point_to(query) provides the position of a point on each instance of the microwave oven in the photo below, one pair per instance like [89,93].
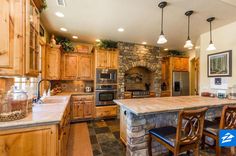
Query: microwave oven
[106,76]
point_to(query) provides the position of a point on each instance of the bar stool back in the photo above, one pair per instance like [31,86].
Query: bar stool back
[185,137]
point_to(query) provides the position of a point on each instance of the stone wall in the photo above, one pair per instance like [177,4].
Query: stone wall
[138,127]
[136,55]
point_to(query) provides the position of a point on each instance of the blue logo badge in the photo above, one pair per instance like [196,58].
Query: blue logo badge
[227,138]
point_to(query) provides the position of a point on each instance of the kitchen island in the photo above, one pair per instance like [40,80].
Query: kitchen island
[137,116]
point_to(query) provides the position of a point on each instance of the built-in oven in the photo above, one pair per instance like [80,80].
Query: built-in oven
[106,76]
[105,94]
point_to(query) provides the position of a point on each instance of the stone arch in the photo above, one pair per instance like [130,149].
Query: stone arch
[149,66]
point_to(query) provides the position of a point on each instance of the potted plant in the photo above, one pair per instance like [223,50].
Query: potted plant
[107,44]
[66,44]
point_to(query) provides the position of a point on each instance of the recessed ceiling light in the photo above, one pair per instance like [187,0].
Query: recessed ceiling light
[166,49]
[63,29]
[97,40]
[121,29]
[59,14]
[75,37]
[144,42]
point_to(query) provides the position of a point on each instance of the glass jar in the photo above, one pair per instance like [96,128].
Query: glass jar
[232,92]
[14,105]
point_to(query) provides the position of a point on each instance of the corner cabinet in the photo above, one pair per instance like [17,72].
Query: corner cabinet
[180,63]
[11,37]
[106,59]
[32,39]
[53,62]
[76,66]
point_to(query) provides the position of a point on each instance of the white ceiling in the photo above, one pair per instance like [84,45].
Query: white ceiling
[92,19]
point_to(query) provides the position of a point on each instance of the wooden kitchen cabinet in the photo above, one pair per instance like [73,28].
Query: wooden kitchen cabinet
[86,68]
[123,125]
[53,62]
[36,141]
[83,106]
[32,39]
[11,37]
[180,64]
[106,111]
[106,59]
[69,66]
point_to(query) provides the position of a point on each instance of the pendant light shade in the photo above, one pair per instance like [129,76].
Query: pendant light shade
[188,43]
[162,38]
[211,46]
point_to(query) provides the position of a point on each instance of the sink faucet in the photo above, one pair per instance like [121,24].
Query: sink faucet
[38,92]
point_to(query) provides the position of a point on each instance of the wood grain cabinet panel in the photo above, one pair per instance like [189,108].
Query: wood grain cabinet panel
[11,40]
[180,64]
[85,67]
[106,111]
[106,59]
[36,141]
[53,62]
[83,106]
[112,57]
[70,67]
[101,59]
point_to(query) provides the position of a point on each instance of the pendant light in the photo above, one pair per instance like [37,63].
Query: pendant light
[162,38]
[211,45]
[188,43]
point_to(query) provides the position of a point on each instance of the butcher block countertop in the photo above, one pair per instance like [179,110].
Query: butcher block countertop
[146,106]
[49,113]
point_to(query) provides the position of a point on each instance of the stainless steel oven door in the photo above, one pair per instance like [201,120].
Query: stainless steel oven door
[105,97]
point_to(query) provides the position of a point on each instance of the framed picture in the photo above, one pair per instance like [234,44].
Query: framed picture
[220,64]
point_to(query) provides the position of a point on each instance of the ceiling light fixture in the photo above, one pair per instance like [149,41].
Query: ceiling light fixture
[162,38]
[59,14]
[166,49]
[121,29]
[97,40]
[188,43]
[63,29]
[75,37]
[144,43]
[211,45]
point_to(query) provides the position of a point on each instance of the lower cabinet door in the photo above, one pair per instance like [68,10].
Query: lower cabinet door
[88,109]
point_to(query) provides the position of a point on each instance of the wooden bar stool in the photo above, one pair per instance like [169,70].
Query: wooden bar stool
[211,128]
[185,137]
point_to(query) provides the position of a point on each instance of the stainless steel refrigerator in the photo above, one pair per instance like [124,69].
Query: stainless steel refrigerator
[180,84]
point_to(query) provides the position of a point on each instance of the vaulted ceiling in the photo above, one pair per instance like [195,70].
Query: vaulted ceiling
[100,19]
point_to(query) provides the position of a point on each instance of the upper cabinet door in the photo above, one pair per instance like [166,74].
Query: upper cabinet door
[32,39]
[53,61]
[101,59]
[112,57]
[85,67]
[70,67]
[12,44]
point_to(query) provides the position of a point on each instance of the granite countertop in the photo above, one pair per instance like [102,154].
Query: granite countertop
[170,104]
[74,93]
[42,114]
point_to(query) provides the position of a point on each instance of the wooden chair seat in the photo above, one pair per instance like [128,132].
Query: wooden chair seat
[166,134]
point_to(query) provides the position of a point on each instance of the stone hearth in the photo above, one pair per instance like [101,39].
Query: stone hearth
[136,55]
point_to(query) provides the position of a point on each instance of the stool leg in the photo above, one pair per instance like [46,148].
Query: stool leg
[218,149]
[203,142]
[196,151]
[150,145]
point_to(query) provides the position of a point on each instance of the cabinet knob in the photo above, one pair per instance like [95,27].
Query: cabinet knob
[2,52]
[19,36]
[125,112]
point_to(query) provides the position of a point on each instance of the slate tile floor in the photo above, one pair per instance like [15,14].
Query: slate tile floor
[105,140]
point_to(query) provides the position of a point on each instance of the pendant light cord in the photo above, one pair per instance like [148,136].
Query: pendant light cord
[162,21]
[188,27]
[210,33]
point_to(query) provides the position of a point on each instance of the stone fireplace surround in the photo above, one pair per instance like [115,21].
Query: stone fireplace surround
[135,55]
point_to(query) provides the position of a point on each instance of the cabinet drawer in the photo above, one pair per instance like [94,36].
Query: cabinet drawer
[106,111]
[83,98]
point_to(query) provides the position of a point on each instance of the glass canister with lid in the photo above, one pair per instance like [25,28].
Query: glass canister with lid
[232,92]
[14,105]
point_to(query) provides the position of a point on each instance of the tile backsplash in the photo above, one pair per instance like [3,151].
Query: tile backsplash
[72,86]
